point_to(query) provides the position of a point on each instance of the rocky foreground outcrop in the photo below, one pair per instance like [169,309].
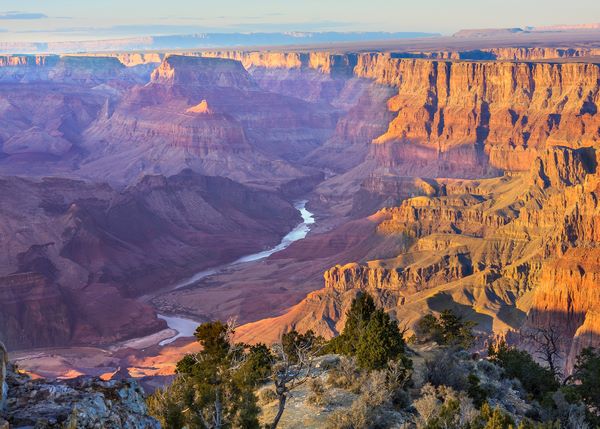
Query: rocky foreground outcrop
[78,403]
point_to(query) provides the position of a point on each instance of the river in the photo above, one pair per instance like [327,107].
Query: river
[187,327]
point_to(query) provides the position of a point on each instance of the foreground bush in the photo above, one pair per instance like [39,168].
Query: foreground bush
[448,329]
[215,387]
[370,335]
[586,382]
[536,380]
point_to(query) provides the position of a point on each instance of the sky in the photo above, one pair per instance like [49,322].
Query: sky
[49,20]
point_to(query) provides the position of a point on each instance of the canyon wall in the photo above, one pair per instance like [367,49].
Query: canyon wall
[75,255]
[412,132]
[506,54]
[447,118]
[463,116]
[509,109]
[209,115]
[513,252]
[506,110]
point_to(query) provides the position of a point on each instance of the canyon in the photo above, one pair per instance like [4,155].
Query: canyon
[438,178]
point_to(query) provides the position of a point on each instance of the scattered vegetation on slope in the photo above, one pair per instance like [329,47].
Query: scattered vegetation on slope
[368,377]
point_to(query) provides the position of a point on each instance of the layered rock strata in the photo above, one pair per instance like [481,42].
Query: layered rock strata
[514,252]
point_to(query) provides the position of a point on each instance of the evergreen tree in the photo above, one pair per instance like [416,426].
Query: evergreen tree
[370,335]
[536,380]
[379,342]
[448,330]
[214,388]
[586,375]
[294,341]
[357,318]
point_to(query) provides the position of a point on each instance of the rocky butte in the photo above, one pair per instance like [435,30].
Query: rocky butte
[440,178]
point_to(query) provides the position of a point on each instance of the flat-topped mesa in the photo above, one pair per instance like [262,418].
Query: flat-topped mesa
[132,59]
[487,32]
[206,72]
[535,54]
[77,69]
[88,70]
[504,54]
[325,62]
[452,265]
[28,60]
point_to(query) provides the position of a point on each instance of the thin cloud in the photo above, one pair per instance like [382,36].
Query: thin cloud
[182,29]
[13,15]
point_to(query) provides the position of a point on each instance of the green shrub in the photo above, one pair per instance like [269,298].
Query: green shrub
[478,394]
[370,335]
[346,375]
[535,379]
[318,393]
[586,382]
[448,329]
[492,418]
[446,368]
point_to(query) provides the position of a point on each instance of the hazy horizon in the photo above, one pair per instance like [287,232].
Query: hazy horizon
[67,20]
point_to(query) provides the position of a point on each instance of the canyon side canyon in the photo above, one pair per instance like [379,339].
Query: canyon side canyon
[438,178]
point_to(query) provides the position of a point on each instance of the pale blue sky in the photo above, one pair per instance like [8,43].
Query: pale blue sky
[82,19]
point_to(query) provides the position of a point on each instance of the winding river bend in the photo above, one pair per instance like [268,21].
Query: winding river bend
[187,327]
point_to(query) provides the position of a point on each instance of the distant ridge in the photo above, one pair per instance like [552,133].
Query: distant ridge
[204,40]
[495,32]
[487,32]
[576,27]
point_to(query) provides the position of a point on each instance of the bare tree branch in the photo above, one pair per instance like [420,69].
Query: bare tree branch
[545,343]
[290,373]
